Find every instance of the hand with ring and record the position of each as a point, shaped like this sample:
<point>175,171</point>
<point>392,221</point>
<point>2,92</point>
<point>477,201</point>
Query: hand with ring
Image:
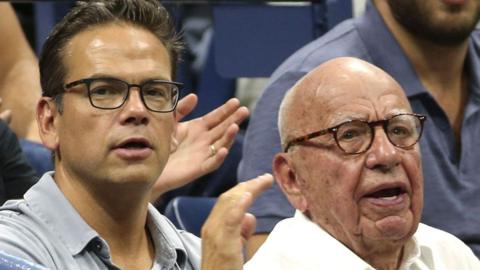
<point>201,144</point>
<point>213,150</point>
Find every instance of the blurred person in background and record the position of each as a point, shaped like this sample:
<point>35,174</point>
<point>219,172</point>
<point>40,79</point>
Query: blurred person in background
<point>19,77</point>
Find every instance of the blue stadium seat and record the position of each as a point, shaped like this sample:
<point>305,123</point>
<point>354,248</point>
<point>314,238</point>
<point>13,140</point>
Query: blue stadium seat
<point>189,213</point>
<point>252,40</point>
<point>9,262</point>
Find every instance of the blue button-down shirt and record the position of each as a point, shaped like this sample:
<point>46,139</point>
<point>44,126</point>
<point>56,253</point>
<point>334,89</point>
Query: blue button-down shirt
<point>452,182</point>
<point>45,228</point>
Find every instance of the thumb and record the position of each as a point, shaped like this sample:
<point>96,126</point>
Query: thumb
<point>249,223</point>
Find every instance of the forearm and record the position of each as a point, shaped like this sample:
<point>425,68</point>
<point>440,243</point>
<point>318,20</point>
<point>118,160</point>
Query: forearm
<point>19,76</point>
<point>20,91</point>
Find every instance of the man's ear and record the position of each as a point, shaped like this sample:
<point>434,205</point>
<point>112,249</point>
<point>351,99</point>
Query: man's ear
<point>289,181</point>
<point>47,115</point>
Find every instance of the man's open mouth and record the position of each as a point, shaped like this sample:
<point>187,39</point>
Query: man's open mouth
<point>387,193</point>
<point>135,144</point>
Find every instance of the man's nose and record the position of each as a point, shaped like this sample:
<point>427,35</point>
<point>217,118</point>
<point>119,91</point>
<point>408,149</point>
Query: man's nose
<point>382,154</point>
<point>134,110</point>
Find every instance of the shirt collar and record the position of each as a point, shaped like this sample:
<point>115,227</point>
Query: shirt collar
<point>169,248</point>
<point>314,238</point>
<point>50,204</point>
<point>53,208</point>
<point>413,251</point>
<point>473,62</point>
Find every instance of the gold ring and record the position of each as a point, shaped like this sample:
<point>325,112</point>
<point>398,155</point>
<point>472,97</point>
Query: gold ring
<point>213,150</point>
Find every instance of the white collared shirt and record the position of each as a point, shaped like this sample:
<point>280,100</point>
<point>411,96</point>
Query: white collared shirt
<point>298,243</point>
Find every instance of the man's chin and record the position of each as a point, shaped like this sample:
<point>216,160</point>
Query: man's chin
<point>394,227</point>
<point>392,230</point>
<point>135,173</point>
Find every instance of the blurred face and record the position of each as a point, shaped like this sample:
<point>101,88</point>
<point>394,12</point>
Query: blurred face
<point>127,144</point>
<point>367,201</point>
<point>443,21</point>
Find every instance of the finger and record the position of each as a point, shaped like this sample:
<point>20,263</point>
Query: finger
<point>235,118</point>
<point>6,116</point>
<point>227,138</point>
<point>217,116</point>
<point>234,203</point>
<point>223,145</point>
<point>248,226</point>
<point>212,163</point>
<point>228,225</point>
<point>186,106</point>
<point>253,188</point>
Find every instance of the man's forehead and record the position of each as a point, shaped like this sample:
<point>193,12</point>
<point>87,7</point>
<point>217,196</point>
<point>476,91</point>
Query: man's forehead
<point>343,89</point>
<point>113,38</point>
<point>117,49</point>
<point>353,104</point>
<point>333,104</point>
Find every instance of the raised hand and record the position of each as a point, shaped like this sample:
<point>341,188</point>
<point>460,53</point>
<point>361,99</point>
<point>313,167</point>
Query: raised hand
<point>229,226</point>
<point>201,144</point>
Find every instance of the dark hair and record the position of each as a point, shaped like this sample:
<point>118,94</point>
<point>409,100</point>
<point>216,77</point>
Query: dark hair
<point>147,14</point>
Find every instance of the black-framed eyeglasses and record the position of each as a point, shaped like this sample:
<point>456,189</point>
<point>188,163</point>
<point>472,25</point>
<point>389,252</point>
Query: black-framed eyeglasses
<point>356,136</point>
<point>111,93</point>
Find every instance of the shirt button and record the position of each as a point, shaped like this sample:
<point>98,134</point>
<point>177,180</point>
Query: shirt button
<point>96,245</point>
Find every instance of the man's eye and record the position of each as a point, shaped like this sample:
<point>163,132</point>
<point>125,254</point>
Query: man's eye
<point>400,131</point>
<point>348,135</point>
<point>154,93</point>
<point>103,91</point>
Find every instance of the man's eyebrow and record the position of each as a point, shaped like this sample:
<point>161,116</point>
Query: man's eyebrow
<point>110,76</point>
<point>102,75</point>
<point>396,112</point>
<point>156,78</point>
<point>339,119</point>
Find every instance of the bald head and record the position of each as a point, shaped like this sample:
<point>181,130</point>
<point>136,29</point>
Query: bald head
<point>341,79</point>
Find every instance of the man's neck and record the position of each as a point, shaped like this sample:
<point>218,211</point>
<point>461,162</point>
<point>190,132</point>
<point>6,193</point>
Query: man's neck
<point>385,261</point>
<point>381,254</point>
<point>440,68</point>
<point>117,213</point>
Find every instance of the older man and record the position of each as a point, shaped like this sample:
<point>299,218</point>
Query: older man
<point>108,113</point>
<point>351,168</point>
<point>431,48</point>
